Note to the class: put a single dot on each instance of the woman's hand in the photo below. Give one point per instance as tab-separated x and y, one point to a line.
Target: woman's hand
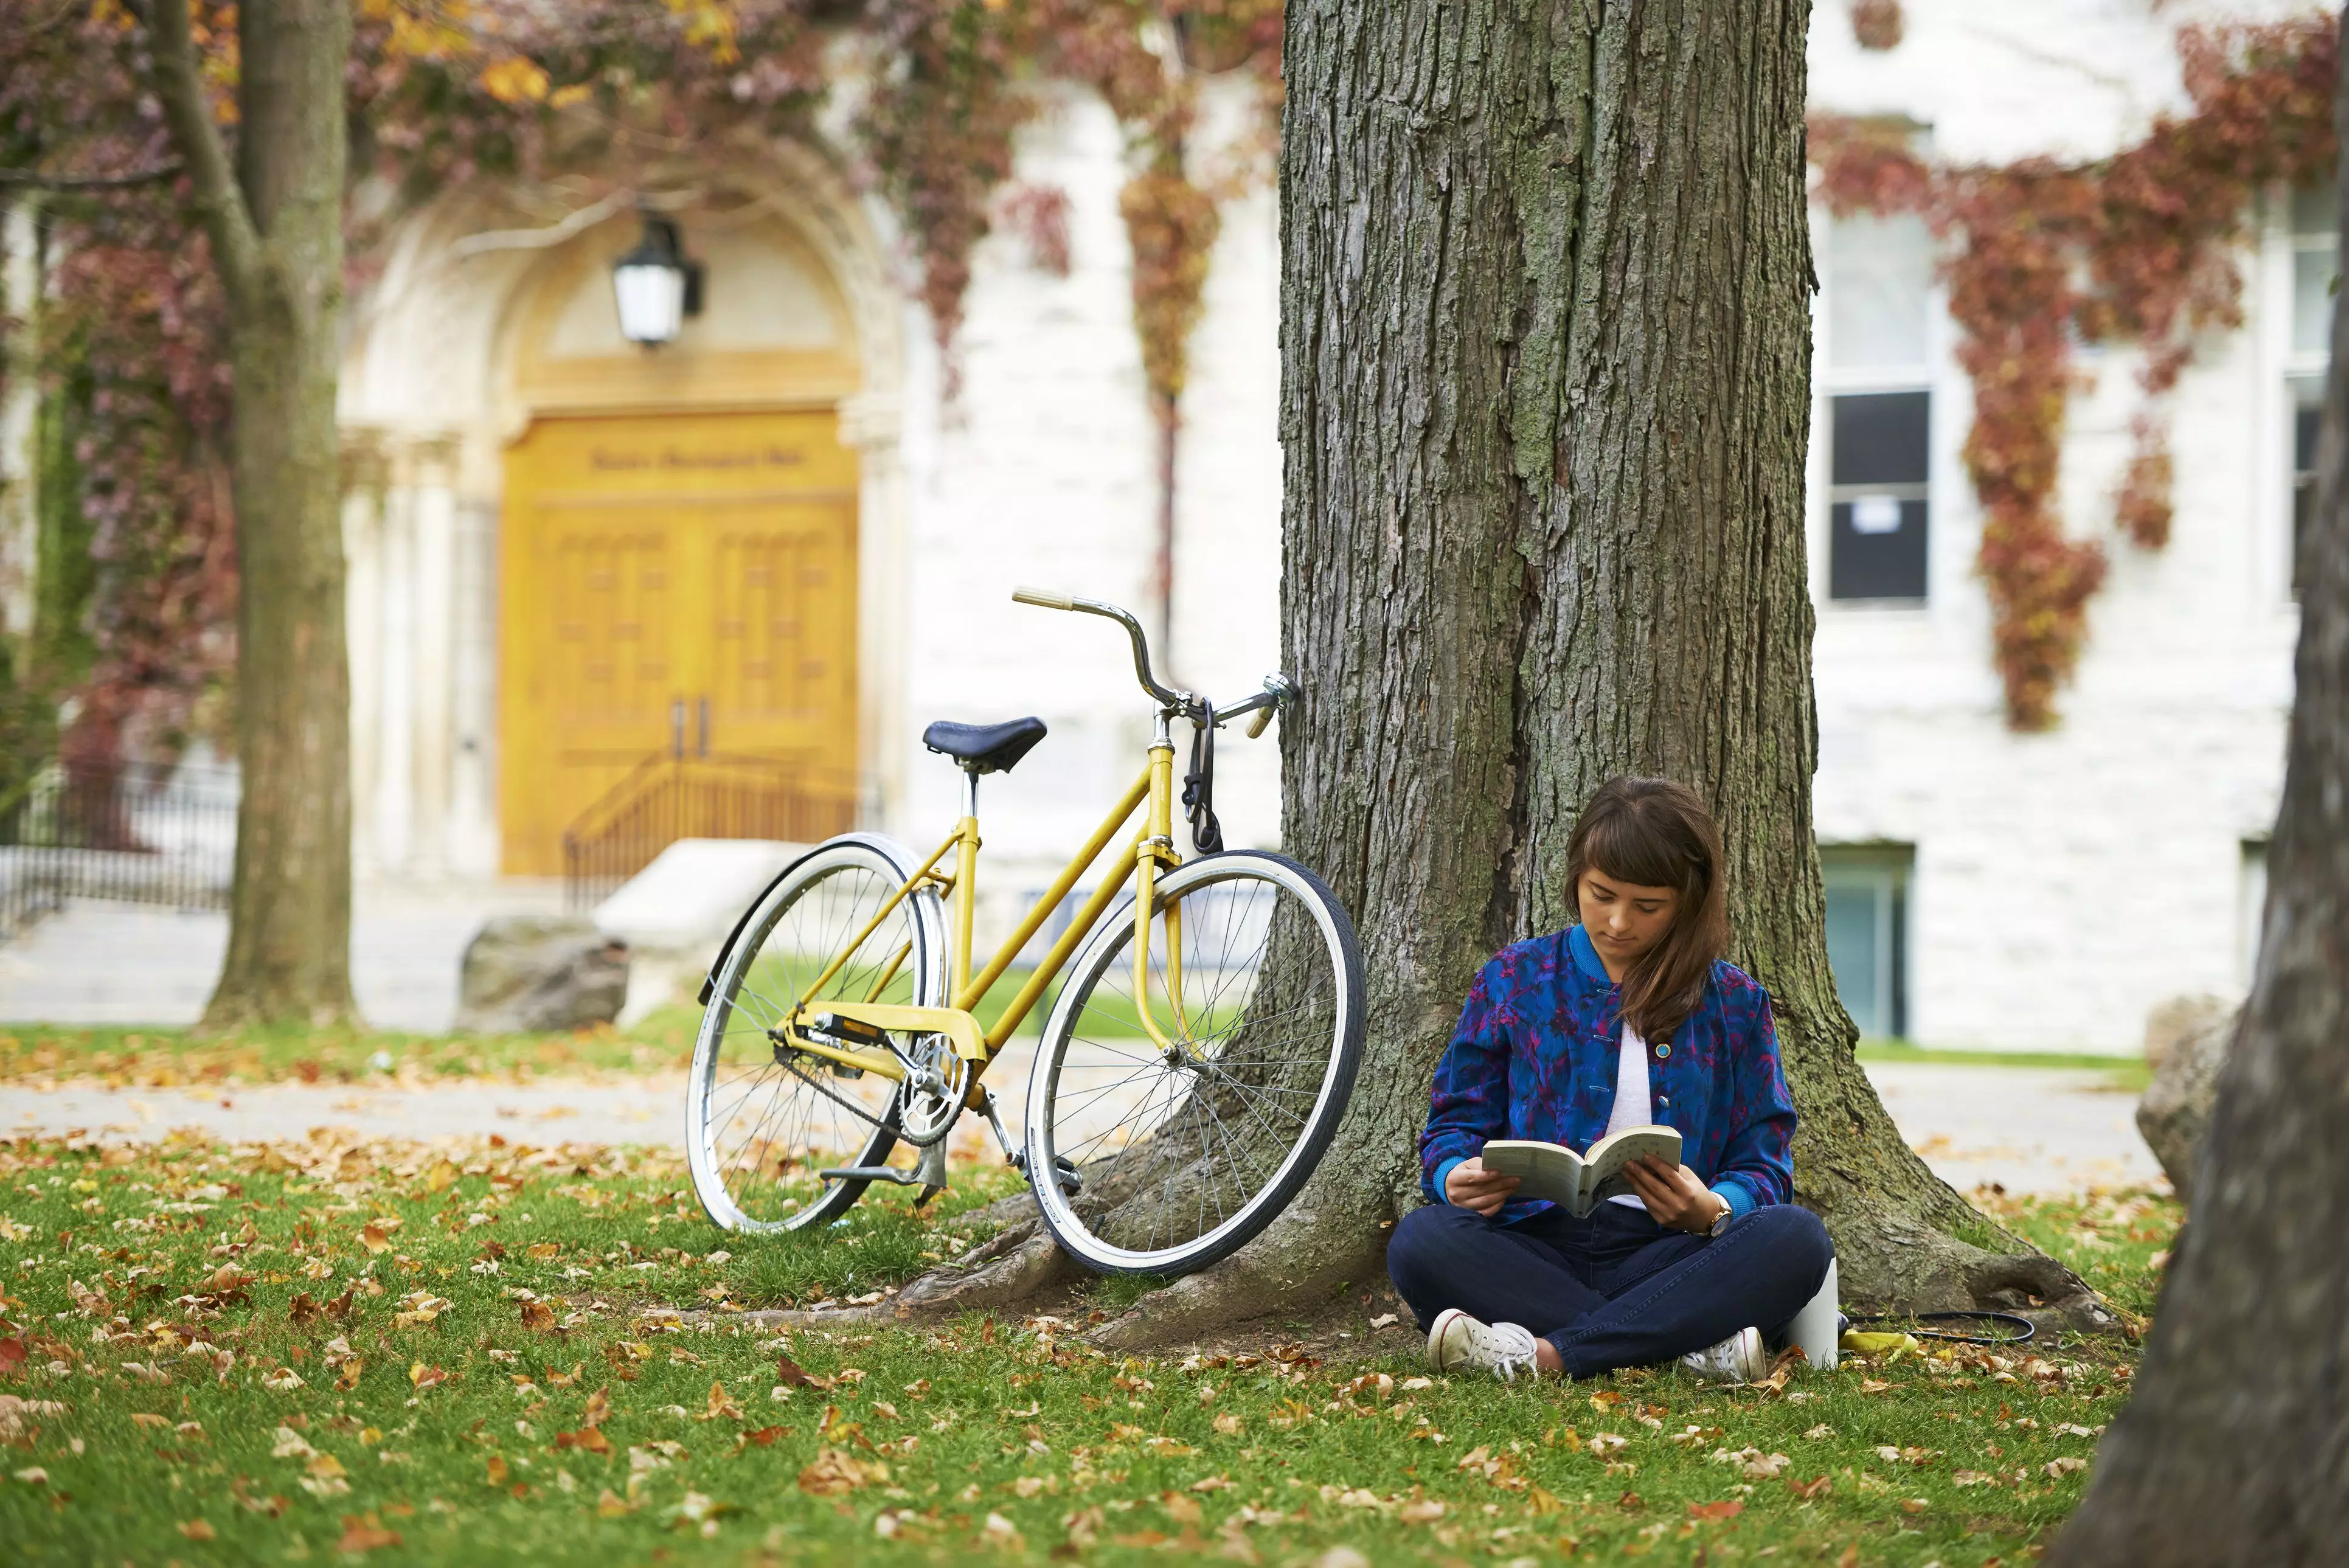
1674	1195
1475	1189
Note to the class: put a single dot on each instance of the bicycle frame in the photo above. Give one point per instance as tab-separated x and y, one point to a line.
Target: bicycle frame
1152	851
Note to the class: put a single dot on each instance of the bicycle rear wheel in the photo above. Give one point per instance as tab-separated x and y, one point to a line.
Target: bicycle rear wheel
1182	1152
761	1120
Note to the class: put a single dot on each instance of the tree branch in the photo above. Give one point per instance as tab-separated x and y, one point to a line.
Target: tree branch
236	248
34	179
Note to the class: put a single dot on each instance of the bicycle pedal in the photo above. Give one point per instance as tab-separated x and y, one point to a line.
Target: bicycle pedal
1064	1171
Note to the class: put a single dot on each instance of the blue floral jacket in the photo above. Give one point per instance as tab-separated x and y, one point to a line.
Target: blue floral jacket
1536	1054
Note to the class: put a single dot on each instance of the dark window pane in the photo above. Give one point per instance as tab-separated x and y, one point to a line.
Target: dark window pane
1880	438
2306	424
1868	560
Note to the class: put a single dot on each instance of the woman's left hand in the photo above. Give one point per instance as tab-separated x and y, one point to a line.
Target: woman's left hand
1676	1198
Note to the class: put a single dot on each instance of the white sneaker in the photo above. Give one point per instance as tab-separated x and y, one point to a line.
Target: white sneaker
1458	1342
1739	1358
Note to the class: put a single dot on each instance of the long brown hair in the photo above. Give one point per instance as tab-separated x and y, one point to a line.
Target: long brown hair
1652	832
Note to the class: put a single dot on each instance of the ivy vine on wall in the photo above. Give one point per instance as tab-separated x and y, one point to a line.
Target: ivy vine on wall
557	106
2141	246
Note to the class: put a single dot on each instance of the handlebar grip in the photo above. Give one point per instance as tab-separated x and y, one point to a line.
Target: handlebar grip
1043	597
1263	718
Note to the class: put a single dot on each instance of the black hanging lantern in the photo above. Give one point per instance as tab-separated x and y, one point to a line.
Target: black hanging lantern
654	286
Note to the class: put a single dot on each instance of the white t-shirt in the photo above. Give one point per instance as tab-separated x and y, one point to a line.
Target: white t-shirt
1633	1106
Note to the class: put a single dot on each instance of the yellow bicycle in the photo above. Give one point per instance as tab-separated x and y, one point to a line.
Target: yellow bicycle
1192	1067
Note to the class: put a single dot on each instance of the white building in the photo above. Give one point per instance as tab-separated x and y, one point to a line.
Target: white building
574	552
1989	888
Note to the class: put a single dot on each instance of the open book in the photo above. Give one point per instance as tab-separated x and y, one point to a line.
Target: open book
1579	1183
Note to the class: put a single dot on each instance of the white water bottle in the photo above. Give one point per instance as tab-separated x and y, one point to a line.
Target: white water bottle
1818	1328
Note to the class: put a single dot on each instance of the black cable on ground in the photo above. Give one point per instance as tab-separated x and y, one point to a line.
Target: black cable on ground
2004	1319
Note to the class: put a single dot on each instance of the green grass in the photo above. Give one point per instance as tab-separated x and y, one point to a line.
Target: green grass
148	1057
2128	1073
1007	1437
160	1058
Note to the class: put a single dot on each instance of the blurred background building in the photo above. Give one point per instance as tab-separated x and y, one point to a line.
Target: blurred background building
787	526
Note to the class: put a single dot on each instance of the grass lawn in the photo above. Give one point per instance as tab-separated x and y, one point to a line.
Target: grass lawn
150	1057
2128	1073
446	1354
31	1054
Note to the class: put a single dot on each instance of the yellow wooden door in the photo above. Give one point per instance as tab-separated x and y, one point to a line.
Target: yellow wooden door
692	568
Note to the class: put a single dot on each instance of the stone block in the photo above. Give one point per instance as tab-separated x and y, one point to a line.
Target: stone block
2174	1116
674	914
529	973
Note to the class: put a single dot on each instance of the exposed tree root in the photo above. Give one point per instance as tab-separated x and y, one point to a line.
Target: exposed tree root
1891	1262
1017	1265
1302	1259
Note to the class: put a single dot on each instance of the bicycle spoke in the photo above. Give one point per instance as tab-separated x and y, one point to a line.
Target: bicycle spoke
768	1123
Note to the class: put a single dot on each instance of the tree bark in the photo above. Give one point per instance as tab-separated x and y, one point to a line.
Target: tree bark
276	223
1546	352
2233	1450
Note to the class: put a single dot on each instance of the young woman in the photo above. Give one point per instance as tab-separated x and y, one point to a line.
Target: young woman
1630	1017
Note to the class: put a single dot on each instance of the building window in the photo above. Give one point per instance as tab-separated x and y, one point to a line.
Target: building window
2315	263
1879	407
1867	932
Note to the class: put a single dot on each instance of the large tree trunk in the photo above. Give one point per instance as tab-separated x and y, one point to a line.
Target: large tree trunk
1546	351
2233	1450
277	228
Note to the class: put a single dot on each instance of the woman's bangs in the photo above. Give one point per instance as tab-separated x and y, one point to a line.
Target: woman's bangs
1629	850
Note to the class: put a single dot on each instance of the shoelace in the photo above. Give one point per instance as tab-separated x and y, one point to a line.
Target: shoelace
1514	1348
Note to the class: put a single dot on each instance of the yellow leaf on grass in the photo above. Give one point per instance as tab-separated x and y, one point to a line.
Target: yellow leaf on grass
197	1529
499	1472
835	1471
609	1506
144	1419
365	1534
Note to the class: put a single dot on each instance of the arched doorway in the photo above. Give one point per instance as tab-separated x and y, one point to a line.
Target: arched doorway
677	558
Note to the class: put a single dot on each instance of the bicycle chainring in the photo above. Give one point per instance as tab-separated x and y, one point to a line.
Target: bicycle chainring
928	1107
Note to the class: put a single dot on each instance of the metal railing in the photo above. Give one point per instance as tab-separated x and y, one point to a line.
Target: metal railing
671	796
129	832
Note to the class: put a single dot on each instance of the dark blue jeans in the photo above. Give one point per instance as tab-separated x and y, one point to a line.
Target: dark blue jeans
1615	1289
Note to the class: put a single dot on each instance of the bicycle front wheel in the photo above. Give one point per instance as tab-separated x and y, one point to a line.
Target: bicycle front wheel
1161	1153
763	1120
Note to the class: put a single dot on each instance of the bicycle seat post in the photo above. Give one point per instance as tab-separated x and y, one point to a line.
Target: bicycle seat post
966	887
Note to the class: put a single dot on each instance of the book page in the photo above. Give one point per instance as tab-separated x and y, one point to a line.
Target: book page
1549	1171
1603	1165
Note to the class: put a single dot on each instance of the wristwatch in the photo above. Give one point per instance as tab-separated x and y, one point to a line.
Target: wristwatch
1721	1221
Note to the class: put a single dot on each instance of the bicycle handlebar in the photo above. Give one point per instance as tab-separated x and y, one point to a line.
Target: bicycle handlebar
1276	688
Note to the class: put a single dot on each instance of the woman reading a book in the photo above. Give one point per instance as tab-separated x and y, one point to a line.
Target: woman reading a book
1630	1019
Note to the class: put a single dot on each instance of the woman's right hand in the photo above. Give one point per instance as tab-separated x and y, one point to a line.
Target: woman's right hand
1475	1189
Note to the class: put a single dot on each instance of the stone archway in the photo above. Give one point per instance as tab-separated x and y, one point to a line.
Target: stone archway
468	348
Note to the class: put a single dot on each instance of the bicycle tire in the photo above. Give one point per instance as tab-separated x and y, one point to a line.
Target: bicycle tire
1052	1100
736	1198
